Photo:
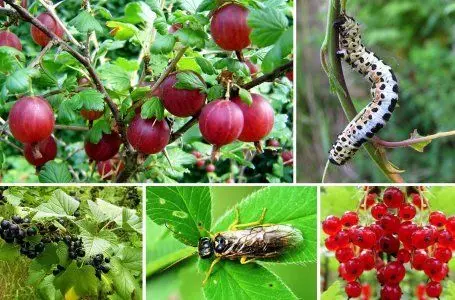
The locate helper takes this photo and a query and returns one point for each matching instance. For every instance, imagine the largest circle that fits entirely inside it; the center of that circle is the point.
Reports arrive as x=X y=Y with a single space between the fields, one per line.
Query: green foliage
x=185 y=219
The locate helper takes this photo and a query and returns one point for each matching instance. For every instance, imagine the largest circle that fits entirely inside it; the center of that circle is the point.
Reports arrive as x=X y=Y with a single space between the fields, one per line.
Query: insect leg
x=244 y=260
x=236 y=224
x=207 y=275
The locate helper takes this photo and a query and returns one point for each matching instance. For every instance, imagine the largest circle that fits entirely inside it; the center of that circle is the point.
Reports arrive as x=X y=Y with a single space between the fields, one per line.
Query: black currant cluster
x=94 y=192
x=99 y=262
x=17 y=230
x=131 y=198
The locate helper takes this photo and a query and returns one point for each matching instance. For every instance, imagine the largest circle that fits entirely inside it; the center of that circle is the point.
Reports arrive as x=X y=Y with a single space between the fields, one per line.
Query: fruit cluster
x=390 y=240
x=33 y=238
x=221 y=121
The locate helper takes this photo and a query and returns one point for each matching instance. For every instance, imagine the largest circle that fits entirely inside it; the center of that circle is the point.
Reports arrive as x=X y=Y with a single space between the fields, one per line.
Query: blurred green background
x=337 y=200
x=417 y=39
x=183 y=282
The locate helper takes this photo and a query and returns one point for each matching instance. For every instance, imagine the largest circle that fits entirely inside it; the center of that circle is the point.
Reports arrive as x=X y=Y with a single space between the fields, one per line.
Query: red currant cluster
x=391 y=240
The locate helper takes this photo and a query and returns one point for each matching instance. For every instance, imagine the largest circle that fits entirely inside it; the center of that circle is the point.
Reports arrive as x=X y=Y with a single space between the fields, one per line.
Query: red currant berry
x=391 y=292
x=405 y=232
x=364 y=238
x=342 y=238
x=422 y=238
x=393 y=197
x=433 y=289
x=394 y=273
x=390 y=223
x=369 y=201
x=353 y=269
x=432 y=266
x=418 y=259
x=445 y=239
x=353 y=289
x=368 y=259
x=418 y=201
x=377 y=229
x=349 y=219
x=344 y=254
x=331 y=243
x=440 y=276
x=443 y=254
x=450 y=225
x=378 y=211
x=437 y=218
x=420 y=291
x=389 y=244
x=407 y=212
x=331 y=225
x=403 y=256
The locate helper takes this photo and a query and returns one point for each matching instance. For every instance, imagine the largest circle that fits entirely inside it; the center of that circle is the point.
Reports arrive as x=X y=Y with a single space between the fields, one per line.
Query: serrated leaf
x=191 y=5
x=82 y=280
x=124 y=282
x=140 y=93
x=10 y=59
x=267 y=25
x=122 y=31
x=160 y=25
x=191 y=37
x=245 y=96
x=181 y=208
x=277 y=55
x=127 y=65
x=96 y=212
x=163 y=44
x=89 y=99
x=252 y=281
x=206 y=5
x=96 y=240
x=85 y=22
x=138 y=12
x=205 y=65
x=60 y=205
x=131 y=258
x=152 y=108
x=189 y=81
x=20 y=81
x=114 y=77
x=334 y=292
x=419 y=146
x=99 y=127
x=54 y=172
x=215 y=92
x=130 y=221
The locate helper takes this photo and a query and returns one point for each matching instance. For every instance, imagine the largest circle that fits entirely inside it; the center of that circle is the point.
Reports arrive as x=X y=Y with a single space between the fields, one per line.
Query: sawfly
x=248 y=242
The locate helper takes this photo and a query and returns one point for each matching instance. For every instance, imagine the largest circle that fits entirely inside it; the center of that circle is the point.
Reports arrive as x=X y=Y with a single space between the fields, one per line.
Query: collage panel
x=389 y=242
x=248 y=242
x=147 y=92
x=394 y=69
x=70 y=243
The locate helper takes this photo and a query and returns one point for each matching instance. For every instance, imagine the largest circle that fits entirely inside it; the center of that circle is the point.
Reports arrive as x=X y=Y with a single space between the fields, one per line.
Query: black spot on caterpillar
x=384 y=92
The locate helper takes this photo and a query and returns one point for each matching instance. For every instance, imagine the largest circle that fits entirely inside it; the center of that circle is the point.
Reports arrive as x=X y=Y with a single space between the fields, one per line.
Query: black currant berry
x=80 y=252
x=5 y=224
x=39 y=247
x=14 y=228
x=77 y=214
x=31 y=254
x=72 y=255
x=61 y=268
x=105 y=269
x=17 y=219
x=107 y=260
x=31 y=231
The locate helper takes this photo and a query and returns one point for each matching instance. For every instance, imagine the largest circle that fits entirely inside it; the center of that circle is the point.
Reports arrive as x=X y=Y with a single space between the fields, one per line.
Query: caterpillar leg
x=244 y=260
x=236 y=224
x=209 y=272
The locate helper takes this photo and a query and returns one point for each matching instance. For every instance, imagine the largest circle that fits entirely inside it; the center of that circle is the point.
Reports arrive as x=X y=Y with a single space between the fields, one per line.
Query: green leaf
x=163 y=44
x=130 y=220
x=82 y=279
x=191 y=37
x=85 y=22
x=95 y=240
x=124 y=283
x=114 y=77
x=419 y=147
x=127 y=65
x=46 y=289
x=131 y=259
x=152 y=108
x=89 y=99
x=334 y=292
x=245 y=96
x=122 y=31
x=20 y=81
x=189 y=81
x=10 y=59
x=267 y=25
x=277 y=55
x=182 y=209
x=215 y=92
x=138 y=12
x=99 y=127
x=205 y=65
x=54 y=172
x=140 y=93
x=206 y=5
x=60 y=205
x=191 y=5
x=244 y=282
x=299 y=212
x=160 y=25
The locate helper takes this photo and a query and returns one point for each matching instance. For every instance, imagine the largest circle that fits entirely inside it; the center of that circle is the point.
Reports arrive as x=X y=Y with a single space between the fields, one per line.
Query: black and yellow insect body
x=384 y=92
x=254 y=241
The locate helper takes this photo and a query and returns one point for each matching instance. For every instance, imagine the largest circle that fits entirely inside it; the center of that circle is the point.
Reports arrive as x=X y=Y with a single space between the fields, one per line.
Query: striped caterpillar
x=384 y=92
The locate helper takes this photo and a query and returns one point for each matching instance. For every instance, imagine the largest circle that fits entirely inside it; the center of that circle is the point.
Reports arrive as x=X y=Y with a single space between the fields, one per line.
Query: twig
x=412 y=141
x=269 y=76
x=5 y=140
x=71 y=127
x=51 y=10
x=176 y=135
x=60 y=91
x=336 y=77
x=8 y=12
x=40 y=56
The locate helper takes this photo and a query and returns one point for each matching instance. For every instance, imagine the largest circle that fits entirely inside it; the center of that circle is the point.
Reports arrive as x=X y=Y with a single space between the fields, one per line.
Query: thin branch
x=49 y=6
x=40 y=56
x=71 y=127
x=412 y=141
x=336 y=77
x=6 y=141
x=269 y=76
x=176 y=135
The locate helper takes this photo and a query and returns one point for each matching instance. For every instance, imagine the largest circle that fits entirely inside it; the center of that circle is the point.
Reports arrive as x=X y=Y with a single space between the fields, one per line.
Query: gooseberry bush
x=71 y=243
x=394 y=234
x=159 y=91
